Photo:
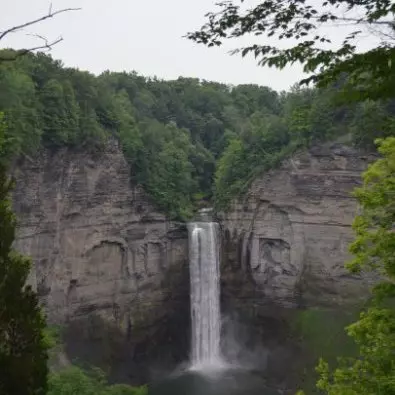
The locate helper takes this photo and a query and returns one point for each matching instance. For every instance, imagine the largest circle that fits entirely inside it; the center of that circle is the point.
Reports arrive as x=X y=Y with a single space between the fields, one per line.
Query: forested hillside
x=187 y=141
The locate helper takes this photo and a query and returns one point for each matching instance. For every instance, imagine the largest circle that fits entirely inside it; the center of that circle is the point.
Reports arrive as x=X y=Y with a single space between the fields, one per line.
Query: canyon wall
x=285 y=291
x=287 y=240
x=110 y=269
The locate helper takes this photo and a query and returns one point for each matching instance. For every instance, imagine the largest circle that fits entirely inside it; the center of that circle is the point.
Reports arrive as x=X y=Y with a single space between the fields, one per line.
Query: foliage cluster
x=309 y=34
x=373 y=371
x=23 y=345
x=320 y=334
x=74 y=380
x=186 y=140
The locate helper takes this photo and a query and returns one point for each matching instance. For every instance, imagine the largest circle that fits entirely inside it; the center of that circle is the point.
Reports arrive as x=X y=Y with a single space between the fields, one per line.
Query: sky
x=139 y=35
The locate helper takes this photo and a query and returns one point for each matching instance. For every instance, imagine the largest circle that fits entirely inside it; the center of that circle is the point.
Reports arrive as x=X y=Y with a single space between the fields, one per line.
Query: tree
x=374 y=246
x=368 y=74
x=370 y=121
x=23 y=348
x=55 y=116
x=7 y=56
x=19 y=103
x=128 y=130
x=165 y=170
x=373 y=371
x=263 y=143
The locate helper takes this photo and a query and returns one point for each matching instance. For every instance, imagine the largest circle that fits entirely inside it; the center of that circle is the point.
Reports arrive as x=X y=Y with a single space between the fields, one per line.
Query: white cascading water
x=205 y=296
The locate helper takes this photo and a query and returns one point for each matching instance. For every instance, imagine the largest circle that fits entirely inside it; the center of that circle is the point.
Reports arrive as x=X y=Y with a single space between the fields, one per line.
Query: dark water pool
x=227 y=382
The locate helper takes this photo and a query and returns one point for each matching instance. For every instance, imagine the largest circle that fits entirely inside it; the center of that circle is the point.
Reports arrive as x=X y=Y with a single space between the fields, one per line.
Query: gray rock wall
x=112 y=271
x=282 y=269
x=102 y=254
x=287 y=240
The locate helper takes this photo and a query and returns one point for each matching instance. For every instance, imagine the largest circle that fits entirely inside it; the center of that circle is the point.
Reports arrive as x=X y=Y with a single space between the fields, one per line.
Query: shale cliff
x=286 y=295
x=287 y=240
x=110 y=270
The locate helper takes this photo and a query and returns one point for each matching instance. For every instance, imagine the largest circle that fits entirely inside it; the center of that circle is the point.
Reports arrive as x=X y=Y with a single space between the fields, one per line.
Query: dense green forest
x=188 y=142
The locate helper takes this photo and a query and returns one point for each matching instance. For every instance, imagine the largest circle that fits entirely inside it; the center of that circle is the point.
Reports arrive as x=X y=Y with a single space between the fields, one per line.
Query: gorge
x=185 y=236
x=113 y=272
x=110 y=169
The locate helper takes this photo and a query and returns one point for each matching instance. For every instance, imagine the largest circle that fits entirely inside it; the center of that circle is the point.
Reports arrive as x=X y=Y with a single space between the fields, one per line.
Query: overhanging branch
x=51 y=14
x=46 y=45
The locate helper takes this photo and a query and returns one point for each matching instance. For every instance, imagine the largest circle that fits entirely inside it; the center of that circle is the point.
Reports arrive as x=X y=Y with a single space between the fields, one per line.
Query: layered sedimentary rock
x=108 y=267
x=112 y=271
x=287 y=240
x=284 y=247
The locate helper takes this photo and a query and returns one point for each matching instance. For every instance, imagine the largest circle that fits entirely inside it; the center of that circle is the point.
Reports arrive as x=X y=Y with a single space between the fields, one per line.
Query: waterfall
x=205 y=292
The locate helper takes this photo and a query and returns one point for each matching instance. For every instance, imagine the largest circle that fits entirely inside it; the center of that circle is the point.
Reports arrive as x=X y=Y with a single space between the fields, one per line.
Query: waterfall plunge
x=205 y=292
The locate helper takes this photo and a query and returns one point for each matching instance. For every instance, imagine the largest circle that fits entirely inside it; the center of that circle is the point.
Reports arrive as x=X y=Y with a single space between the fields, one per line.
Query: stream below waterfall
x=226 y=382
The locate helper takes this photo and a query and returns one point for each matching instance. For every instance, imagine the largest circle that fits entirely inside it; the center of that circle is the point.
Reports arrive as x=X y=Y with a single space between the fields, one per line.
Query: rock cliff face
x=108 y=267
x=113 y=272
x=283 y=253
x=287 y=240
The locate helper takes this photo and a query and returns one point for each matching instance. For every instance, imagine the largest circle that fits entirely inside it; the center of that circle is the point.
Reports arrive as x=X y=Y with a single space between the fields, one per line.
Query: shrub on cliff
x=23 y=348
x=73 y=380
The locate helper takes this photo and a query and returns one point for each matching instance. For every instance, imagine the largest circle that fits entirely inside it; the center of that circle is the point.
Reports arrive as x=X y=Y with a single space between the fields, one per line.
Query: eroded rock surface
x=287 y=240
x=282 y=268
x=113 y=272
x=108 y=267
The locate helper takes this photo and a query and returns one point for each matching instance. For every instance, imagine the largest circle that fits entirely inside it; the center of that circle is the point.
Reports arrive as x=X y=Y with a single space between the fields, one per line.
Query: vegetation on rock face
x=320 y=334
x=74 y=380
x=374 y=247
x=23 y=346
x=373 y=371
x=186 y=140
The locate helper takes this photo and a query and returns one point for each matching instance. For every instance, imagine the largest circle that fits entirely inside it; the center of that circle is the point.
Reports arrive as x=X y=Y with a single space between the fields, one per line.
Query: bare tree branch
x=365 y=21
x=46 y=45
x=15 y=54
x=33 y=22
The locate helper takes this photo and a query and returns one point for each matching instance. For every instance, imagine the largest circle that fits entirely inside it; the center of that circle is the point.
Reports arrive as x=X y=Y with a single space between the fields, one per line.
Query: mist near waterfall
x=223 y=360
